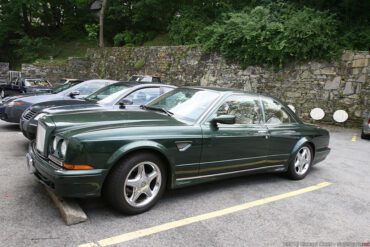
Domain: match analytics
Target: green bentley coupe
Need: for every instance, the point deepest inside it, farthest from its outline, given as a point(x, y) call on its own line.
point(185, 137)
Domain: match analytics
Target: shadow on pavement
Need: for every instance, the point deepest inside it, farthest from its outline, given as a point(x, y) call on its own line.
point(9, 127)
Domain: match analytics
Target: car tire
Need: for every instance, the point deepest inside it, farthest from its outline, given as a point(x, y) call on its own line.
point(301, 164)
point(363, 136)
point(131, 186)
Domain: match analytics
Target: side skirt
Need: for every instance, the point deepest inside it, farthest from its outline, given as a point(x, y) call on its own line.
point(183, 182)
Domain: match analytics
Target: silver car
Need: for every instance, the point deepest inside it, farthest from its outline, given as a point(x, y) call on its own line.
point(366, 127)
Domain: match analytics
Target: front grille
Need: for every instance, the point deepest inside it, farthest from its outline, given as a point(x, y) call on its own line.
point(29, 114)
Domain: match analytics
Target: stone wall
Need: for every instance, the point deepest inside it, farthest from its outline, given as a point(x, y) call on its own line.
point(340, 84)
point(4, 68)
point(73, 68)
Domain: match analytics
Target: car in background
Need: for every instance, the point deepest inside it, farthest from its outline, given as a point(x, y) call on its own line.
point(145, 78)
point(184, 137)
point(120, 95)
point(25, 86)
point(365, 134)
point(12, 110)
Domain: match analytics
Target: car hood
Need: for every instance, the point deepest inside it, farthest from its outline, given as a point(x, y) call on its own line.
point(55, 106)
point(42, 98)
point(80, 122)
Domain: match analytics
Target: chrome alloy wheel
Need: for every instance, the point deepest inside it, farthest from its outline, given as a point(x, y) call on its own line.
point(142, 184)
point(302, 160)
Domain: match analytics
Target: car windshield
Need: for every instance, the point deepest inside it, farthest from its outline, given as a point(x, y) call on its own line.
point(36, 83)
point(105, 93)
point(185, 104)
point(63, 87)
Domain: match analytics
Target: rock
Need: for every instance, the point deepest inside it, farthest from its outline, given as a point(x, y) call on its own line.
point(360, 63)
point(348, 88)
point(334, 84)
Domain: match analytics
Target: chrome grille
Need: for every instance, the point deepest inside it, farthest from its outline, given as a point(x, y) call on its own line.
point(40, 138)
point(29, 114)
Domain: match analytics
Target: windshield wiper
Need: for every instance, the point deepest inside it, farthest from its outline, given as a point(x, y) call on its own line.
point(157, 109)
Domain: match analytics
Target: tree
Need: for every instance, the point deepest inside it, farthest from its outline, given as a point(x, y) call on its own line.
point(101, 23)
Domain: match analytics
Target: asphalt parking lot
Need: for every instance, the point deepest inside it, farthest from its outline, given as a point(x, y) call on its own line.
point(334, 213)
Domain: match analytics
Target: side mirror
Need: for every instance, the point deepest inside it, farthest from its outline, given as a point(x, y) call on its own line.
point(224, 119)
point(126, 102)
point(74, 93)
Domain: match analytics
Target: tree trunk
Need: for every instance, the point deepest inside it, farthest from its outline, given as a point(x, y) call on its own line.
point(101, 23)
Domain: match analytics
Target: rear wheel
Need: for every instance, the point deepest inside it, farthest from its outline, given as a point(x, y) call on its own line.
point(136, 184)
point(301, 164)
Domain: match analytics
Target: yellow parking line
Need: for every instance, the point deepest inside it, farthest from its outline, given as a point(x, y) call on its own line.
point(354, 137)
point(174, 224)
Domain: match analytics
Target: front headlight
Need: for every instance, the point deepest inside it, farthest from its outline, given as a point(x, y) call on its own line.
point(16, 103)
point(39, 116)
point(63, 148)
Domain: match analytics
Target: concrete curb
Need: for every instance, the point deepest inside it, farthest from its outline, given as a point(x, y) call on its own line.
point(69, 209)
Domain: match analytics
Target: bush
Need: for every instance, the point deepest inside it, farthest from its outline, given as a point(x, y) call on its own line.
point(92, 31)
point(186, 26)
point(274, 34)
point(30, 48)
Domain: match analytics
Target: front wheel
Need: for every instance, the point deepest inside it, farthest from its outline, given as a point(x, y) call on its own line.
point(301, 163)
point(136, 184)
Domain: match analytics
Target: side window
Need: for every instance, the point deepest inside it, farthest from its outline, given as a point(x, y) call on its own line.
point(246, 109)
point(275, 112)
point(143, 96)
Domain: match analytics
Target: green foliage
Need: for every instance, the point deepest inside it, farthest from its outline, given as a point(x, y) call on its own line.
point(140, 64)
point(186, 26)
point(274, 34)
point(92, 31)
point(30, 49)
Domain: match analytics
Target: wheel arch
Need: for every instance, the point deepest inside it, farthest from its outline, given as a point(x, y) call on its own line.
point(143, 146)
point(300, 143)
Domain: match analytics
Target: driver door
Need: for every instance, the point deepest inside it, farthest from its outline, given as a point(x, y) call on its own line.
point(235, 147)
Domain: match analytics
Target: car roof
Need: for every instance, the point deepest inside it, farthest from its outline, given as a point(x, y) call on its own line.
point(223, 90)
point(144, 84)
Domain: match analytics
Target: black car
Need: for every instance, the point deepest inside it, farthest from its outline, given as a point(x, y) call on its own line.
point(25, 86)
point(117, 96)
point(12, 108)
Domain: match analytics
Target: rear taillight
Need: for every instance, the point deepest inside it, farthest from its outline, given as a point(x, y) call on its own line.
point(368, 121)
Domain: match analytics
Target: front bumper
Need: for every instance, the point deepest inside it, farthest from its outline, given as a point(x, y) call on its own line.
point(65, 183)
point(12, 115)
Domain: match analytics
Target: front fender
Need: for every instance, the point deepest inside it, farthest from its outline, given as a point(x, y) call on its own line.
point(140, 145)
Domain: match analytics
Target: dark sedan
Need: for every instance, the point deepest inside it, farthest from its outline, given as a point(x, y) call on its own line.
point(12, 110)
point(115, 96)
point(25, 86)
point(184, 137)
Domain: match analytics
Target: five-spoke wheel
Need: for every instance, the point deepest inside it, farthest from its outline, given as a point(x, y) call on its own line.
point(301, 164)
point(142, 184)
point(136, 183)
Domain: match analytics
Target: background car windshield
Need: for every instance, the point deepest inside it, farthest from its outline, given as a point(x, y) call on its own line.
point(36, 83)
point(111, 90)
point(186, 103)
point(63, 87)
